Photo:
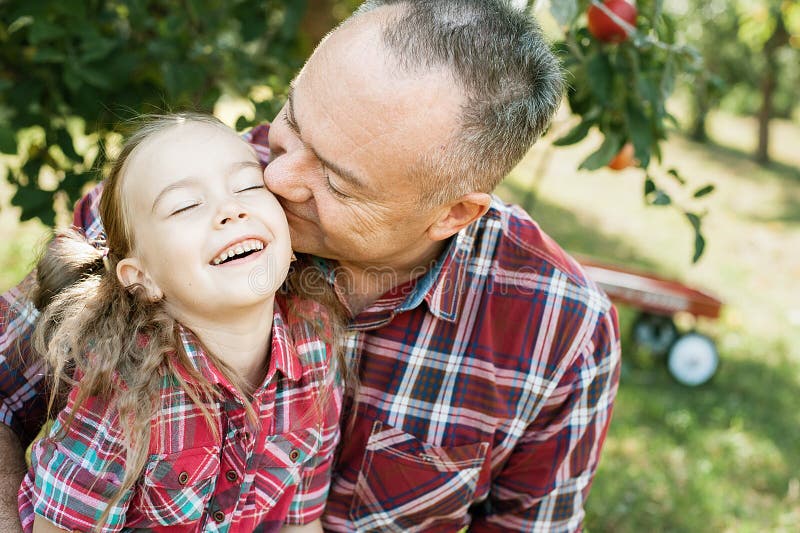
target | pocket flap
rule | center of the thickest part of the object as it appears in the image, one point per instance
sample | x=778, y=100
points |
x=185, y=468
x=290, y=449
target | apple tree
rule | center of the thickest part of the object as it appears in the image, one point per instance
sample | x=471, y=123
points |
x=623, y=60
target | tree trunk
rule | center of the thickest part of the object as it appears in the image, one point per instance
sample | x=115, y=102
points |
x=765, y=113
x=779, y=38
x=698, y=131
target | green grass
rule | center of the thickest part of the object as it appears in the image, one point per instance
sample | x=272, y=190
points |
x=725, y=456
x=722, y=457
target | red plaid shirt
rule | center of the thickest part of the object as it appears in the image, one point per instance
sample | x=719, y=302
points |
x=246, y=479
x=486, y=387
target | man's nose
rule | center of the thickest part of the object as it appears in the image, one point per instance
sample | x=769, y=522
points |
x=287, y=176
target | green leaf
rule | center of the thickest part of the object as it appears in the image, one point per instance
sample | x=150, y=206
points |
x=71, y=78
x=8, y=140
x=649, y=186
x=242, y=123
x=94, y=76
x=699, y=247
x=49, y=55
x=64, y=141
x=600, y=76
x=576, y=134
x=73, y=185
x=95, y=47
x=34, y=203
x=21, y=22
x=610, y=147
x=660, y=198
x=668, y=78
x=702, y=191
x=564, y=11
x=43, y=31
x=674, y=173
x=694, y=220
x=648, y=90
x=640, y=132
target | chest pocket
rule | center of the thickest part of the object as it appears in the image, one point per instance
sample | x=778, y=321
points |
x=176, y=488
x=408, y=485
x=280, y=465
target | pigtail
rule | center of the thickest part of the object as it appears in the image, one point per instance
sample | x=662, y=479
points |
x=70, y=257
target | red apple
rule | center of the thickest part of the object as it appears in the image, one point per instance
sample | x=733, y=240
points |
x=606, y=30
x=623, y=159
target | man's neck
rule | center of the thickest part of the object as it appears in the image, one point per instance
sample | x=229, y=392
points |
x=241, y=339
x=362, y=284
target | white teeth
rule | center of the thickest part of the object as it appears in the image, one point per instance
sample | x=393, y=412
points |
x=238, y=249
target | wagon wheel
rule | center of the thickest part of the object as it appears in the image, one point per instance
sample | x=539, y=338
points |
x=654, y=332
x=693, y=359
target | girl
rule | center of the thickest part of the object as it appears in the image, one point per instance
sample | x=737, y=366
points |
x=202, y=400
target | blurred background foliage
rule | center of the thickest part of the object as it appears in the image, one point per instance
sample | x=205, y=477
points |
x=72, y=70
x=706, y=93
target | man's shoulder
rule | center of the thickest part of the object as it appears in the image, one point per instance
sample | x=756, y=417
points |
x=518, y=244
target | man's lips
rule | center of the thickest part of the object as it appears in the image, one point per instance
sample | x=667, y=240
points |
x=292, y=211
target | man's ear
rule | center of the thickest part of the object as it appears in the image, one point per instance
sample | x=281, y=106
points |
x=130, y=272
x=459, y=214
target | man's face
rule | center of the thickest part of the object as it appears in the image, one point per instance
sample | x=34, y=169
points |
x=344, y=145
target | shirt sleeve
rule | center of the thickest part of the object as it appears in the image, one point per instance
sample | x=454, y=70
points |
x=75, y=477
x=545, y=482
x=22, y=391
x=258, y=137
x=308, y=502
x=23, y=397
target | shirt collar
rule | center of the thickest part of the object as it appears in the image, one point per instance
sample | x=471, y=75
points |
x=441, y=287
x=283, y=355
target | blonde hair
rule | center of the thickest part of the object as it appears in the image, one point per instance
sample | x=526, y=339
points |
x=93, y=325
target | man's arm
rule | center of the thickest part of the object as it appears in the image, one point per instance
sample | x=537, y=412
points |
x=12, y=470
x=546, y=480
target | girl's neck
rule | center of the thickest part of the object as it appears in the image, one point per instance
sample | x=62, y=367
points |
x=239, y=337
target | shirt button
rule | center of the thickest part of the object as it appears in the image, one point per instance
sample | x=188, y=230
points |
x=183, y=477
x=294, y=455
x=231, y=476
x=219, y=517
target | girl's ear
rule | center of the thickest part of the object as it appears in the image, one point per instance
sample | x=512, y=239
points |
x=131, y=272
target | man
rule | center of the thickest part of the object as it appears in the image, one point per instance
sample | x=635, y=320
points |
x=487, y=362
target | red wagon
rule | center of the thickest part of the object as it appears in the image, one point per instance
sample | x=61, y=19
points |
x=692, y=358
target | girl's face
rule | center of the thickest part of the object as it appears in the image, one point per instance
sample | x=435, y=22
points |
x=208, y=236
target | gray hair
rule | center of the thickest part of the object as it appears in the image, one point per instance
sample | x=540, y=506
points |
x=511, y=80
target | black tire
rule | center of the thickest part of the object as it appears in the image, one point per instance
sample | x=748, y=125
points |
x=654, y=332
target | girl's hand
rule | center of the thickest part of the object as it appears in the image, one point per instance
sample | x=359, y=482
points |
x=313, y=527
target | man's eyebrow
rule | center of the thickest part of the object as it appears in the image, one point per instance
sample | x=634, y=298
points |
x=190, y=181
x=289, y=117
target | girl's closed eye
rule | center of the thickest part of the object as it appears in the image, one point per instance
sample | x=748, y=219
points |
x=184, y=209
x=252, y=188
